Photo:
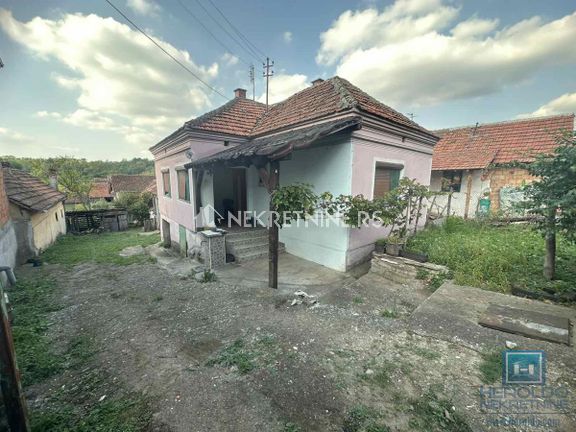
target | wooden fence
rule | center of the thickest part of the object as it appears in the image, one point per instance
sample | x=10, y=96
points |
x=96, y=220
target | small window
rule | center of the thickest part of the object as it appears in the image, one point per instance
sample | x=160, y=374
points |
x=451, y=181
x=56, y=214
x=166, y=183
x=183, y=185
x=386, y=178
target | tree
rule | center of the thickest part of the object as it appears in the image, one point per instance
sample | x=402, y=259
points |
x=70, y=173
x=552, y=197
x=137, y=204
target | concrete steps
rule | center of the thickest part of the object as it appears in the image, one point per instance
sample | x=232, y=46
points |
x=249, y=245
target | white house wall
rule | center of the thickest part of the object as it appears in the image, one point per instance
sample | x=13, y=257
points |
x=326, y=168
x=478, y=188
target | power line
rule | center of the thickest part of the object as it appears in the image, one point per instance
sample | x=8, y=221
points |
x=238, y=32
x=199, y=21
x=244, y=46
x=182, y=65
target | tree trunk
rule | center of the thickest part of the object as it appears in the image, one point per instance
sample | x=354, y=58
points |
x=550, y=257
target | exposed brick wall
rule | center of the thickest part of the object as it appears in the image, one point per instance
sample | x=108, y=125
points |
x=4, y=209
x=502, y=177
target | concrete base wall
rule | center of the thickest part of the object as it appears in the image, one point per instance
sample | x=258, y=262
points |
x=402, y=270
x=8, y=248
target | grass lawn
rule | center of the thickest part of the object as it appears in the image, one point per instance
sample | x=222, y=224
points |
x=493, y=257
x=100, y=248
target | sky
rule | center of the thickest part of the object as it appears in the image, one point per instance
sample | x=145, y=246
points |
x=78, y=80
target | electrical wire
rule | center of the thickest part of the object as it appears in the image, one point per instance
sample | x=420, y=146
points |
x=182, y=65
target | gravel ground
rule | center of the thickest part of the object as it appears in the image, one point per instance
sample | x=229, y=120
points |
x=306, y=368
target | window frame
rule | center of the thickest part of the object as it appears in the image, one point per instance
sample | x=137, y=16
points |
x=187, y=193
x=166, y=193
x=445, y=186
x=393, y=164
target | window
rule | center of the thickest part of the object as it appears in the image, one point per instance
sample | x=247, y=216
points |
x=166, y=183
x=183, y=185
x=451, y=180
x=386, y=178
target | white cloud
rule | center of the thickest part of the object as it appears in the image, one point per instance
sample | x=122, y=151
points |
x=124, y=83
x=561, y=105
x=229, y=59
x=415, y=52
x=143, y=7
x=287, y=36
x=283, y=86
x=12, y=137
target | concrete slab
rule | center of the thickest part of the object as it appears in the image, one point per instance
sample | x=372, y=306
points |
x=452, y=313
x=294, y=273
x=531, y=324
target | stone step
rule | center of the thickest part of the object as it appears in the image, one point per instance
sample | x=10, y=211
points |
x=252, y=233
x=256, y=255
x=245, y=247
x=236, y=241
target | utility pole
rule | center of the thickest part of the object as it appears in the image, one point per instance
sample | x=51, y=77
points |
x=267, y=74
x=1, y=64
x=251, y=73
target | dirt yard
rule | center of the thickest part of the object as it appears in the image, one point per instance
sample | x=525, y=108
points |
x=136, y=348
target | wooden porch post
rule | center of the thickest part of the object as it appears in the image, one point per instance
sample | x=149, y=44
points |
x=273, y=182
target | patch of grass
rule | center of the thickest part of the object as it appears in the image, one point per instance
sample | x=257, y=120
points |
x=208, y=276
x=433, y=414
x=362, y=418
x=491, y=367
x=425, y=353
x=99, y=248
x=158, y=297
x=32, y=302
x=80, y=350
x=248, y=356
x=358, y=300
x=291, y=427
x=389, y=313
x=422, y=274
x=491, y=257
x=128, y=414
x=382, y=372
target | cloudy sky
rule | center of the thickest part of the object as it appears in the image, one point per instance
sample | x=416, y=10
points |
x=78, y=80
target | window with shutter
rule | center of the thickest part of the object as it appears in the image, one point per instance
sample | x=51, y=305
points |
x=166, y=183
x=386, y=178
x=183, y=185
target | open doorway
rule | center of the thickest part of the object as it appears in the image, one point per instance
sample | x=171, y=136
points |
x=166, y=241
x=229, y=192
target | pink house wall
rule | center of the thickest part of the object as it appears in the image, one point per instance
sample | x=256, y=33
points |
x=368, y=147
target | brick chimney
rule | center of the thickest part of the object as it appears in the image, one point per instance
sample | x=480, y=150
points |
x=53, y=178
x=240, y=93
x=317, y=81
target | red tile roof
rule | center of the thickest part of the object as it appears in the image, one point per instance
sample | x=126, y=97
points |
x=100, y=189
x=152, y=188
x=475, y=147
x=29, y=192
x=130, y=183
x=247, y=118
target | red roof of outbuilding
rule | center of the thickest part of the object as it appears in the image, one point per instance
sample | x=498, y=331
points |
x=476, y=147
x=29, y=192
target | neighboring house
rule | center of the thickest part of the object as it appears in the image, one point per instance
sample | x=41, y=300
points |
x=100, y=191
x=36, y=209
x=331, y=135
x=478, y=162
x=123, y=183
x=155, y=210
x=8, y=243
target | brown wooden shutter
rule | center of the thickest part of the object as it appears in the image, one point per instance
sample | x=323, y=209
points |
x=182, y=184
x=382, y=182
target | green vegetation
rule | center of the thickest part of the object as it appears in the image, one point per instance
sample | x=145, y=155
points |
x=363, y=419
x=389, y=313
x=494, y=258
x=99, y=248
x=425, y=353
x=246, y=357
x=291, y=427
x=491, y=367
x=91, y=169
x=67, y=408
x=433, y=414
x=358, y=300
x=208, y=276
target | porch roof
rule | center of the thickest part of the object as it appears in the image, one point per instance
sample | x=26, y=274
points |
x=277, y=146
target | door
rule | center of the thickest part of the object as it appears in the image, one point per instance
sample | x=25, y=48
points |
x=182, y=241
x=166, y=233
x=239, y=185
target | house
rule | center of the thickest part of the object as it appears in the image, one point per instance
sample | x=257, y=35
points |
x=480, y=163
x=36, y=210
x=124, y=183
x=8, y=243
x=100, y=191
x=331, y=135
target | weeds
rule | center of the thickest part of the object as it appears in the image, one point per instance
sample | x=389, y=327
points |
x=432, y=414
x=357, y=300
x=389, y=313
x=491, y=367
x=246, y=357
x=208, y=276
x=363, y=419
x=493, y=258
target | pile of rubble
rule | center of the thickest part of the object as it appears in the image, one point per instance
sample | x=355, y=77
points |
x=304, y=298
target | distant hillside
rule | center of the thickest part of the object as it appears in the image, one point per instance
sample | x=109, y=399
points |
x=92, y=169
